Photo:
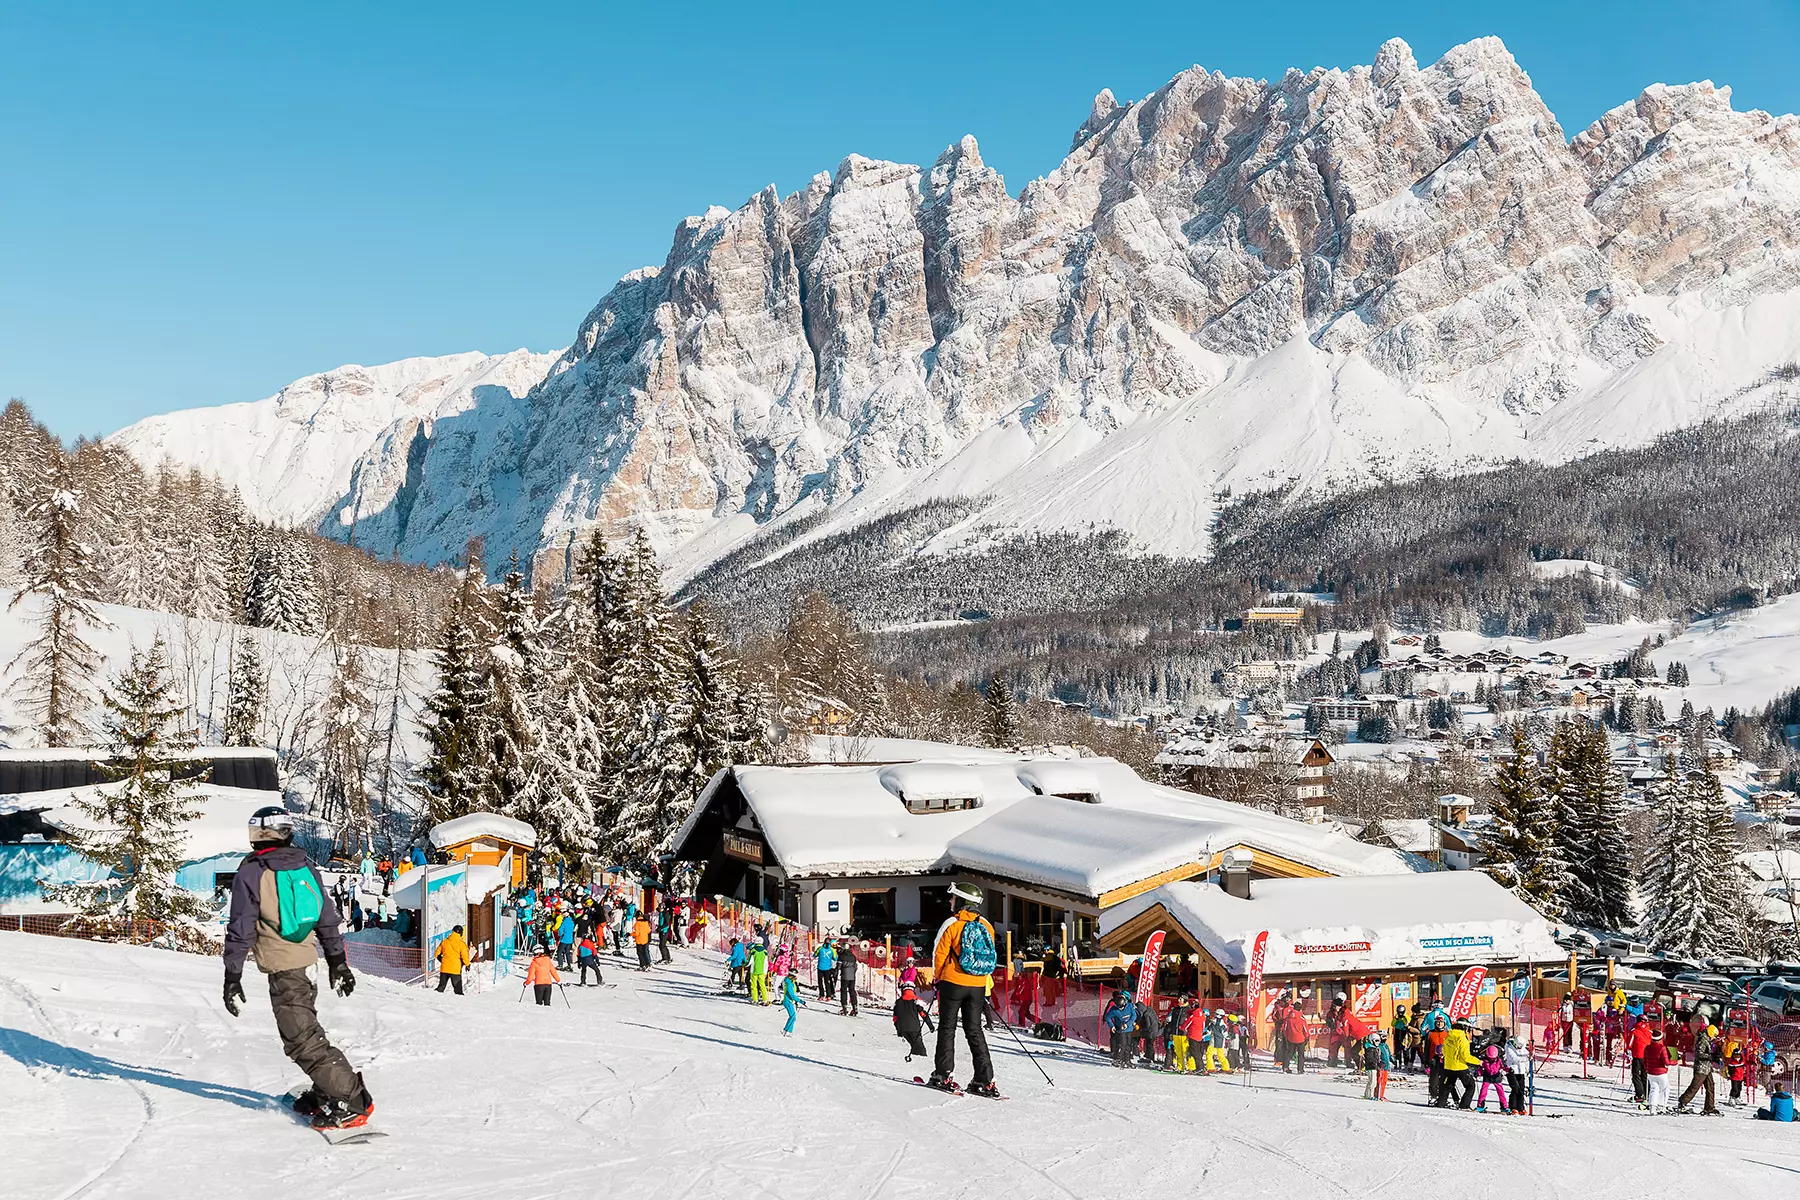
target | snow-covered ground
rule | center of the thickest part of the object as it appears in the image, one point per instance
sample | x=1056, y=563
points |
x=121, y=1076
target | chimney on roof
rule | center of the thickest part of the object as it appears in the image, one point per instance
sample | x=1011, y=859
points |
x=1234, y=872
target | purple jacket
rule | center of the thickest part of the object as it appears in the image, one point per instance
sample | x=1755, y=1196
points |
x=252, y=921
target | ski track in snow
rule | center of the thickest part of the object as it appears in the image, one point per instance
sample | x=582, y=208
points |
x=135, y=1084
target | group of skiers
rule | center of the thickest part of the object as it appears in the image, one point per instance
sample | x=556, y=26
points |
x=576, y=925
x=1193, y=1039
x=764, y=965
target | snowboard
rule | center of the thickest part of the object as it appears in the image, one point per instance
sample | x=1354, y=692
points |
x=345, y=1136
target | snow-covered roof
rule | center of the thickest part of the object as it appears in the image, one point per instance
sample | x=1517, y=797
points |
x=914, y=782
x=482, y=881
x=1370, y=922
x=1770, y=866
x=462, y=829
x=221, y=826
x=822, y=820
x=1057, y=777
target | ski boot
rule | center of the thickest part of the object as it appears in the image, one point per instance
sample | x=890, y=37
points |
x=307, y=1103
x=988, y=1089
x=942, y=1083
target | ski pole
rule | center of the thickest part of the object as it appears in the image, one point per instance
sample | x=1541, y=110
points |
x=564, y=991
x=1028, y=1054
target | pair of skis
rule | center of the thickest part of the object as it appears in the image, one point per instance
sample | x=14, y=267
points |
x=952, y=1088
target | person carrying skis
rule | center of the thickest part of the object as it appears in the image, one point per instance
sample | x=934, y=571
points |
x=790, y=998
x=282, y=915
x=541, y=975
x=827, y=967
x=759, y=973
x=847, y=965
x=1121, y=1020
x=963, y=966
x=587, y=957
x=909, y=1014
x=452, y=956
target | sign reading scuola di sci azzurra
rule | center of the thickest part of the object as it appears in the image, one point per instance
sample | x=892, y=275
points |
x=1456, y=943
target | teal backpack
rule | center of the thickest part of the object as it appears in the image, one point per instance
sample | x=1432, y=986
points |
x=976, y=955
x=301, y=903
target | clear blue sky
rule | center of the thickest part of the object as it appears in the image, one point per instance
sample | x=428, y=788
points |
x=200, y=202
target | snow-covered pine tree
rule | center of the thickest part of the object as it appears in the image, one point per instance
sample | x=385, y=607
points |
x=1521, y=854
x=12, y=544
x=1000, y=723
x=1594, y=838
x=245, y=693
x=1678, y=911
x=825, y=678
x=655, y=764
x=517, y=729
x=457, y=775
x=343, y=781
x=199, y=569
x=135, y=821
x=1720, y=879
x=57, y=667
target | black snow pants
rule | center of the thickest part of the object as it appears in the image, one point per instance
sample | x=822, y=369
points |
x=960, y=1004
x=452, y=979
x=294, y=997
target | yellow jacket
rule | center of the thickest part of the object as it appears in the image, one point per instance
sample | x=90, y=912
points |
x=453, y=954
x=948, y=949
x=1457, y=1054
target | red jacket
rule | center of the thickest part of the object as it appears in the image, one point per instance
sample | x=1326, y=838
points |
x=1293, y=1026
x=1656, y=1058
x=1640, y=1039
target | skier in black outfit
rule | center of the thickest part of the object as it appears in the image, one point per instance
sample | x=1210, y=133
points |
x=962, y=967
x=846, y=968
x=908, y=1015
x=337, y=1097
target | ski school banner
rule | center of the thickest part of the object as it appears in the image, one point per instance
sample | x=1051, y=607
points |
x=1147, y=975
x=1253, y=981
x=1462, y=1000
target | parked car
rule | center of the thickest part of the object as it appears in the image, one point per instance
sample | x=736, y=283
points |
x=1706, y=979
x=1617, y=947
x=1781, y=966
x=1785, y=1037
x=1778, y=997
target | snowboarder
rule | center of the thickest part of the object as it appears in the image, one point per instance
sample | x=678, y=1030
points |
x=281, y=913
x=909, y=1014
x=452, y=956
x=963, y=966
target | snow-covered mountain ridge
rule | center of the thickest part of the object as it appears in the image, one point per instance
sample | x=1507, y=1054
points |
x=1335, y=277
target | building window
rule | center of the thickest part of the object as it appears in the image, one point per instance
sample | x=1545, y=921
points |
x=934, y=906
x=872, y=910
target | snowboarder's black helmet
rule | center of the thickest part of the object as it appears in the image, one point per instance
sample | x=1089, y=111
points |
x=271, y=824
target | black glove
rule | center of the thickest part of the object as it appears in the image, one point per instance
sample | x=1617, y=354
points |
x=234, y=991
x=342, y=981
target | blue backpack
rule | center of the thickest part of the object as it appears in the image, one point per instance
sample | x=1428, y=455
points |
x=976, y=955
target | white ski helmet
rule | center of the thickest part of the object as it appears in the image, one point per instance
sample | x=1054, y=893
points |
x=968, y=893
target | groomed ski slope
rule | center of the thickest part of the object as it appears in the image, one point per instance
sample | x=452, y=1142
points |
x=121, y=1076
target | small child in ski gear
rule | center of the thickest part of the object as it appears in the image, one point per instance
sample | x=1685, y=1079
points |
x=909, y=1014
x=541, y=975
x=790, y=1000
x=281, y=914
x=738, y=960
x=1517, y=1061
x=587, y=955
x=1493, y=1075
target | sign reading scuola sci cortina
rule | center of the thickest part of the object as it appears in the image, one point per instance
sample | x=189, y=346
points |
x=1333, y=948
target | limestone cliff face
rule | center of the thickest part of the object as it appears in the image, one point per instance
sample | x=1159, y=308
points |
x=1339, y=274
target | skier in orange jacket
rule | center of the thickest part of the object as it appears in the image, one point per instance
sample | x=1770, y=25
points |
x=541, y=975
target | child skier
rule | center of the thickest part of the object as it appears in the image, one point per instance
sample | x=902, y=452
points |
x=1493, y=1075
x=588, y=957
x=738, y=960
x=790, y=997
x=1218, y=1044
x=1377, y=1061
x=541, y=975
x=1518, y=1065
x=909, y=1014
